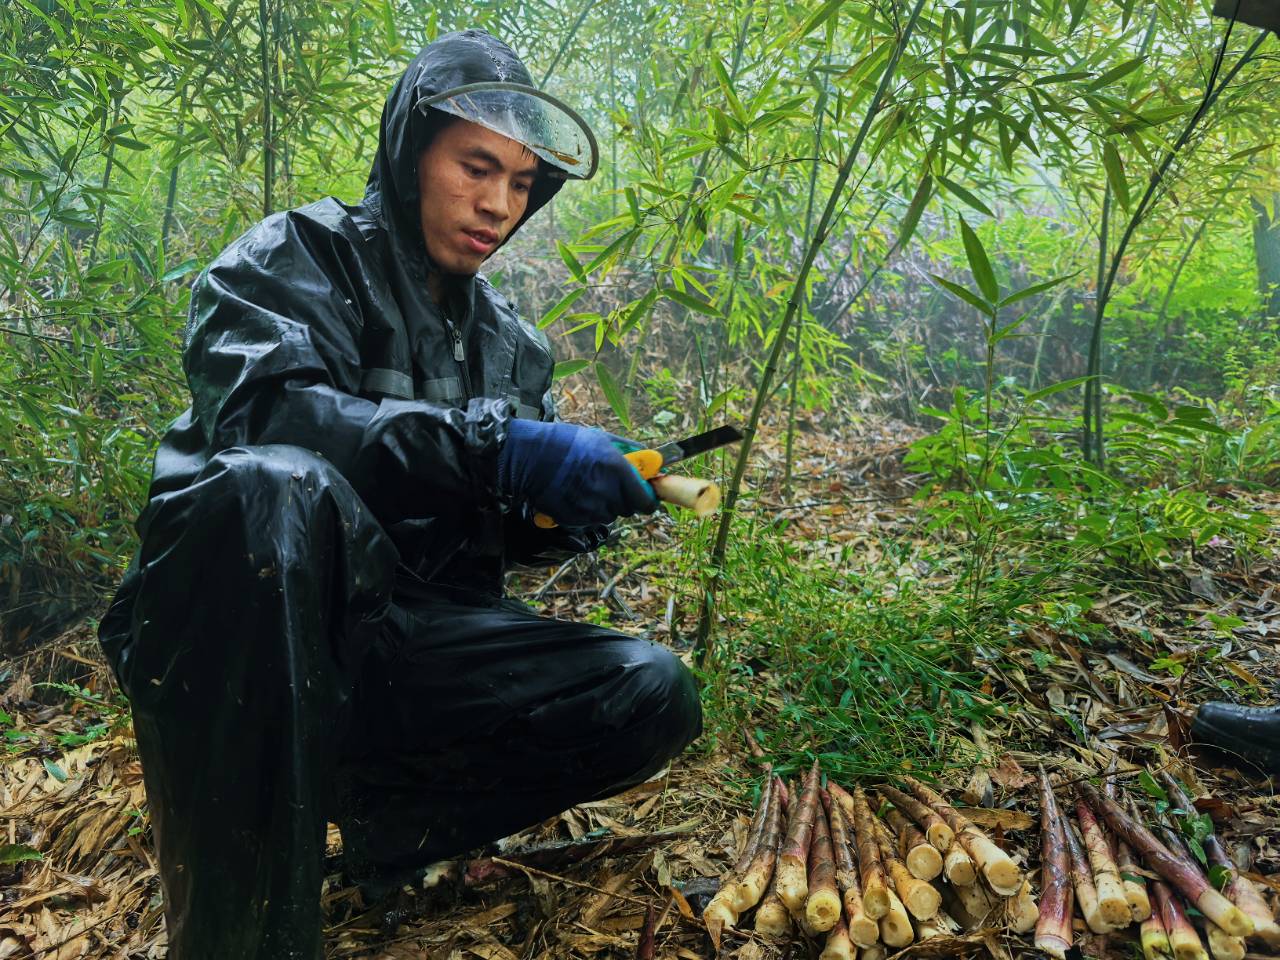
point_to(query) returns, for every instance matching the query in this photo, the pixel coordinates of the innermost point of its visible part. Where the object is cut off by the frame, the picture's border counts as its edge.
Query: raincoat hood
(455, 70)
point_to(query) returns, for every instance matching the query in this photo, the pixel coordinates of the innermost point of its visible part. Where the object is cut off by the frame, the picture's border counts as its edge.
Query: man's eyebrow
(480, 153)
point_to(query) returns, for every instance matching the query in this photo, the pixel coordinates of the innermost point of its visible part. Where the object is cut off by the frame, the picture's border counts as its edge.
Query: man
(313, 628)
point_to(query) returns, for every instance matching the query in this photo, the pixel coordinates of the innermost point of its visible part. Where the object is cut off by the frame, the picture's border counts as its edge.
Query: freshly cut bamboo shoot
(1112, 903)
(958, 867)
(1082, 879)
(939, 925)
(700, 496)
(751, 885)
(875, 890)
(862, 929)
(921, 857)
(793, 859)
(996, 866)
(1180, 874)
(772, 918)
(876, 952)
(1053, 927)
(935, 828)
(895, 925)
(1135, 885)
(976, 903)
(1240, 890)
(725, 907)
(822, 906)
(1155, 941)
(838, 946)
(1184, 942)
(919, 897)
(1021, 910)
(1222, 945)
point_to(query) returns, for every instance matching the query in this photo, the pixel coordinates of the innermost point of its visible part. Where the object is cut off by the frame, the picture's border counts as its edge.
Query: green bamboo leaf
(181, 270)
(570, 261)
(960, 192)
(1056, 388)
(633, 202)
(613, 393)
(690, 301)
(1034, 289)
(565, 303)
(914, 211)
(567, 368)
(1115, 73)
(978, 263)
(1114, 167)
(970, 298)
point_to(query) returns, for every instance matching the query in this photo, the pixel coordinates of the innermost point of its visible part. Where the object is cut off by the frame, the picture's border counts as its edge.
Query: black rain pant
(282, 675)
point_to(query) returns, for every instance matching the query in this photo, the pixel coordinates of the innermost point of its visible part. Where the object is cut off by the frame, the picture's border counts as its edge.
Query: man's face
(474, 187)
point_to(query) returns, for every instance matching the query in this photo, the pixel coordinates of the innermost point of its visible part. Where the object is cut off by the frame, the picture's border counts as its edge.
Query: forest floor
(71, 785)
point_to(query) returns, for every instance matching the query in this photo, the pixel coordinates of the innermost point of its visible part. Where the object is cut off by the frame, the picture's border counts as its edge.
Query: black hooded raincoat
(313, 629)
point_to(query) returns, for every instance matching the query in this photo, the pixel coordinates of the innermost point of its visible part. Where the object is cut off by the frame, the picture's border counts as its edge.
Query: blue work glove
(575, 474)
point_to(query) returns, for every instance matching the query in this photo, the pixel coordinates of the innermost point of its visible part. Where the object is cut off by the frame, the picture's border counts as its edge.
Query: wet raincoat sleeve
(273, 356)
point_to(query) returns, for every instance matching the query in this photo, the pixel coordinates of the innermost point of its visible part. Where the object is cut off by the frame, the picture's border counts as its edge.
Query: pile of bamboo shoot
(1118, 872)
(863, 879)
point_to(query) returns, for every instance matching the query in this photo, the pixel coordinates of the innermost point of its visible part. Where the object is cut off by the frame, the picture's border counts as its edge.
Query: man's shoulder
(324, 223)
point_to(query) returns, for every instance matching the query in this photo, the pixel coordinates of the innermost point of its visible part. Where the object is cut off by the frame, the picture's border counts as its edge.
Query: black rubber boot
(1250, 736)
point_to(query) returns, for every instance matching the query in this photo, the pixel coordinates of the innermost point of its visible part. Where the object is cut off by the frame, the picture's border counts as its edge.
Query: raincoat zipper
(460, 357)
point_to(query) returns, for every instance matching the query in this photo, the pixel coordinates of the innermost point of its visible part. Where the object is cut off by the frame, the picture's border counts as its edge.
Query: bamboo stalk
(1082, 878)
(1184, 942)
(822, 906)
(793, 859)
(1112, 903)
(1240, 890)
(895, 925)
(838, 945)
(919, 897)
(996, 866)
(1053, 928)
(863, 931)
(1154, 938)
(921, 857)
(1180, 874)
(935, 828)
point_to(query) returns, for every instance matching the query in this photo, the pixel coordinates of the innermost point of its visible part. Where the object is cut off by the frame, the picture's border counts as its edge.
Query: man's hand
(576, 474)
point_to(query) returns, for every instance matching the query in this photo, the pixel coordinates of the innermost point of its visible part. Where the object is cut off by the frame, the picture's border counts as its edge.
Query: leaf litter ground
(78, 876)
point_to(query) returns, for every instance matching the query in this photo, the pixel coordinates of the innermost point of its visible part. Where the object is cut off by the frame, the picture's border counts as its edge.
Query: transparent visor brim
(533, 119)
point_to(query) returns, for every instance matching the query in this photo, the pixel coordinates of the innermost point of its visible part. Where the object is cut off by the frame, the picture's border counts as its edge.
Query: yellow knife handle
(648, 464)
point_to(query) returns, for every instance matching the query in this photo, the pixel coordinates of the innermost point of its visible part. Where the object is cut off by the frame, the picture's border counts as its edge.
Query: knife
(651, 461)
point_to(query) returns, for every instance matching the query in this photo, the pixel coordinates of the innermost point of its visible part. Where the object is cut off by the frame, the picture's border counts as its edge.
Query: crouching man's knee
(665, 710)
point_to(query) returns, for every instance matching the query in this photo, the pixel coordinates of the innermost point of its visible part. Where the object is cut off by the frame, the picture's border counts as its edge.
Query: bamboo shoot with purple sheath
(1239, 889)
(1174, 869)
(793, 859)
(1001, 873)
(895, 925)
(935, 828)
(1154, 939)
(1082, 879)
(875, 889)
(863, 931)
(919, 897)
(1135, 885)
(822, 906)
(838, 945)
(1184, 942)
(1053, 928)
(750, 888)
(1112, 903)
(921, 857)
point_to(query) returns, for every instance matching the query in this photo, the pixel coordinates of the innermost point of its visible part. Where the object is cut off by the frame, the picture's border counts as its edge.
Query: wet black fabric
(312, 628)
(284, 674)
